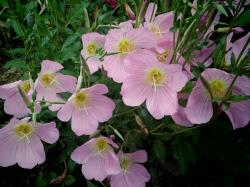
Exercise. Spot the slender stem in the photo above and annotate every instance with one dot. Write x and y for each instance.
(142, 12)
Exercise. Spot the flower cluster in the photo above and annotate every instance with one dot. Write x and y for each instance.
(146, 60)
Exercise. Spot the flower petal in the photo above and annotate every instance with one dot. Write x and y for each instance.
(48, 65)
(238, 114)
(47, 132)
(82, 153)
(138, 156)
(199, 107)
(162, 101)
(94, 169)
(29, 154)
(82, 123)
(65, 113)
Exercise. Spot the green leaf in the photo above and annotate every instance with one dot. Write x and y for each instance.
(17, 27)
(69, 180)
(71, 166)
(70, 40)
(243, 19)
(160, 150)
(238, 98)
(20, 64)
(221, 9)
(90, 184)
(184, 153)
(40, 182)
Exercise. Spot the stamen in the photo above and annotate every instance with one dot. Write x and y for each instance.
(101, 146)
(81, 99)
(48, 79)
(125, 46)
(24, 131)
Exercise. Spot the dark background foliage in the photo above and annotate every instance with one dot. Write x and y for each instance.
(31, 31)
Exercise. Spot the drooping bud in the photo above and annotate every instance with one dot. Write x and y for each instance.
(129, 12)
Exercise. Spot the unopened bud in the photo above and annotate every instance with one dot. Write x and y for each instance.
(224, 29)
(129, 12)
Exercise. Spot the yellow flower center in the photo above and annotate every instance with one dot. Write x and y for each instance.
(125, 46)
(125, 163)
(80, 99)
(48, 79)
(101, 145)
(24, 131)
(155, 77)
(25, 86)
(162, 57)
(91, 49)
(155, 29)
(218, 88)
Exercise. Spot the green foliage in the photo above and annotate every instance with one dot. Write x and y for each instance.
(32, 31)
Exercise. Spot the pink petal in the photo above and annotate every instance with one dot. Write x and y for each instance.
(112, 164)
(118, 181)
(8, 147)
(48, 65)
(199, 107)
(114, 66)
(113, 36)
(134, 90)
(165, 21)
(141, 172)
(15, 105)
(8, 90)
(29, 154)
(238, 46)
(162, 101)
(82, 153)
(82, 123)
(65, 113)
(66, 83)
(47, 132)
(55, 98)
(94, 64)
(94, 168)
(243, 83)
(138, 156)
(101, 108)
(180, 118)
(151, 12)
(176, 78)
(97, 89)
(217, 74)
(142, 38)
(238, 114)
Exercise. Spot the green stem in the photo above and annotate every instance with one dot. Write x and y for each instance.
(142, 13)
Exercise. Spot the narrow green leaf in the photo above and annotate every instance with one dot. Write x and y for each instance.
(160, 150)
(221, 9)
(69, 180)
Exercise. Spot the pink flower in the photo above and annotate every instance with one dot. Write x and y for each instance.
(86, 109)
(180, 117)
(199, 107)
(204, 55)
(132, 174)
(157, 83)
(14, 104)
(124, 42)
(50, 82)
(93, 44)
(236, 47)
(159, 25)
(98, 158)
(20, 142)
